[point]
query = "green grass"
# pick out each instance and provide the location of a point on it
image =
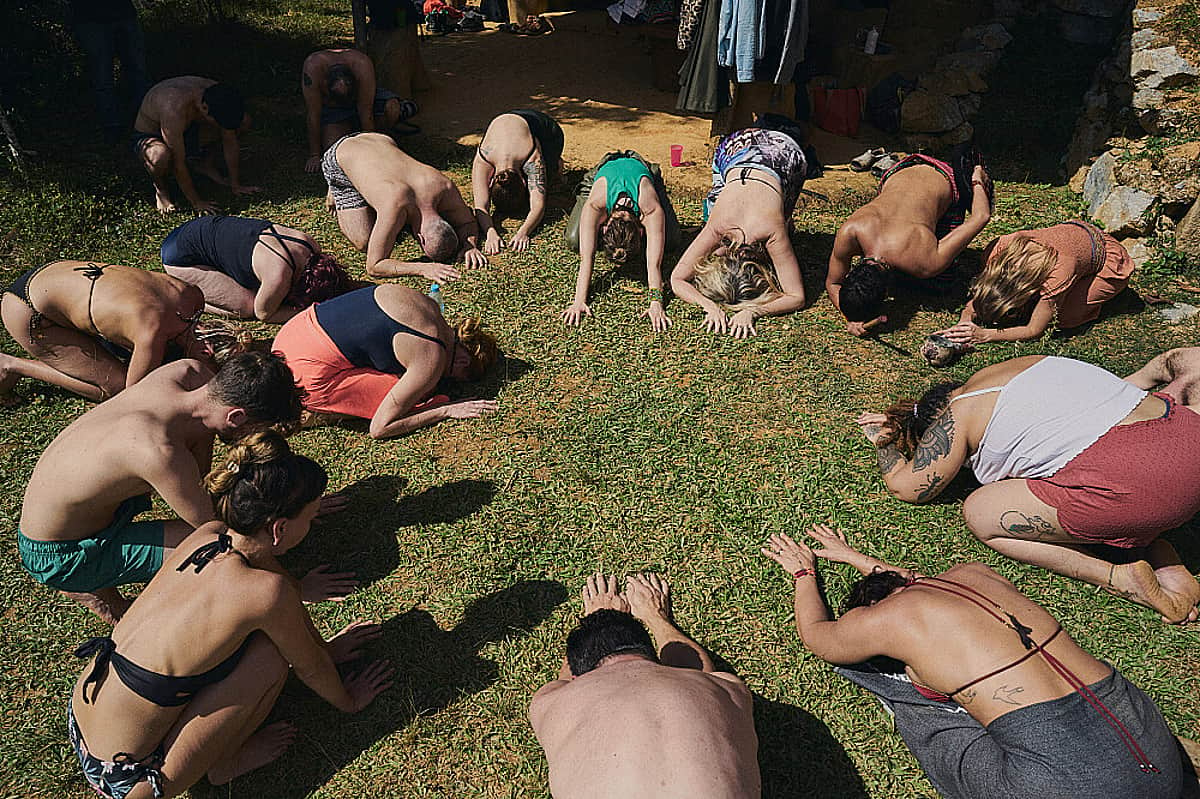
(615, 448)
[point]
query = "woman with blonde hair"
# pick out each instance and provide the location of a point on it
(190, 672)
(379, 353)
(743, 258)
(622, 204)
(1057, 276)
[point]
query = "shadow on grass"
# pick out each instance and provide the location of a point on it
(434, 669)
(798, 756)
(508, 370)
(445, 504)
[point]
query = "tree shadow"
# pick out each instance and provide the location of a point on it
(434, 669)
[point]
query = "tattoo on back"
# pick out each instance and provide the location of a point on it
(888, 456)
(967, 697)
(936, 442)
(1008, 695)
(932, 487)
(1025, 526)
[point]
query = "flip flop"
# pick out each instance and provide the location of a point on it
(865, 161)
(408, 109)
(884, 164)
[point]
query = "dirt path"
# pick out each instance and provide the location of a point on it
(596, 82)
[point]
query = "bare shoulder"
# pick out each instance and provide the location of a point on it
(545, 699)
(732, 683)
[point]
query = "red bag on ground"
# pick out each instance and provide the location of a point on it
(838, 110)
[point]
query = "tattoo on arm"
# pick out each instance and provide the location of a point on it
(936, 442)
(308, 81)
(889, 457)
(931, 489)
(1025, 526)
(535, 171)
(1008, 695)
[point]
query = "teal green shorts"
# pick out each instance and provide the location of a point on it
(124, 552)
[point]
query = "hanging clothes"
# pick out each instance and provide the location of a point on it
(704, 84)
(786, 25)
(689, 17)
(741, 39)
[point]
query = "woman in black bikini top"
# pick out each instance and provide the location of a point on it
(95, 328)
(1042, 717)
(192, 669)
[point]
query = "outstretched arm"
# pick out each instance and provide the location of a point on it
(1039, 322)
(938, 457)
(388, 224)
(650, 602)
(535, 177)
(364, 76)
(481, 198)
(845, 247)
(859, 635)
(589, 224)
(685, 271)
(454, 210)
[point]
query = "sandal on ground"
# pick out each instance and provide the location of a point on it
(884, 164)
(408, 109)
(865, 161)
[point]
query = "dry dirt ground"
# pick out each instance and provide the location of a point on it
(600, 109)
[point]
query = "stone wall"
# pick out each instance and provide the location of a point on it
(1135, 154)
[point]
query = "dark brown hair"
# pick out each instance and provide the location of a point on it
(262, 480)
(510, 195)
(909, 419)
(622, 238)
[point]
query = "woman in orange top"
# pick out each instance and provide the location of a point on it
(1059, 275)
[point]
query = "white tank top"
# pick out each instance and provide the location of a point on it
(1047, 415)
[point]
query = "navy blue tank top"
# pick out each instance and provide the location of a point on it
(363, 332)
(226, 243)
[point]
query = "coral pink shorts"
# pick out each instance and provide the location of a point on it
(1135, 483)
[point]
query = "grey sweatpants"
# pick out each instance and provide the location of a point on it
(1061, 749)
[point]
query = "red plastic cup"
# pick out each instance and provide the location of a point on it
(676, 155)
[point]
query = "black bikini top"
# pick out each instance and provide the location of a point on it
(161, 689)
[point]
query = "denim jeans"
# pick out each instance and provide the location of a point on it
(101, 42)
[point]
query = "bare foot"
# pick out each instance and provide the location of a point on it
(162, 201)
(601, 592)
(1138, 582)
(8, 379)
(261, 748)
(649, 596)
(110, 608)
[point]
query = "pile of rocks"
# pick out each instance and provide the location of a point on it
(936, 115)
(1142, 184)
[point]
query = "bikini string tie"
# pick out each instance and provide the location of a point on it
(205, 555)
(102, 647)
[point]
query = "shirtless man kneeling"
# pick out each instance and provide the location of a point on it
(378, 191)
(625, 720)
(77, 532)
(178, 116)
(915, 225)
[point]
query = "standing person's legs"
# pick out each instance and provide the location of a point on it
(97, 41)
(131, 51)
(65, 358)
(1008, 518)
(216, 734)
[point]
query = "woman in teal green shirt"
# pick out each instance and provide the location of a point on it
(623, 204)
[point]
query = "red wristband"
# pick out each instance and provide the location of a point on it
(803, 573)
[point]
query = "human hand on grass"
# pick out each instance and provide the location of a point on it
(742, 324)
(470, 409)
(659, 320)
(832, 544)
(789, 553)
(519, 242)
(574, 315)
(715, 321)
(369, 683)
(492, 243)
(439, 273)
(347, 645)
(320, 585)
(968, 333)
(312, 164)
(876, 428)
(474, 259)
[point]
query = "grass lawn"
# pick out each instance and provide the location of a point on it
(615, 448)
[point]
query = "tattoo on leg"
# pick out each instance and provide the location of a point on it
(888, 456)
(1008, 695)
(932, 487)
(1026, 526)
(936, 442)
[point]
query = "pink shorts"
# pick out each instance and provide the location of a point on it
(1135, 483)
(332, 383)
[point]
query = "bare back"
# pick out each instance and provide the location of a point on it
(388, 177)
(101, 458)
(172, 104)
(750, 210)
(948, 641)
(182, 624)
(899, 226)
(637, 728)
(122, 304)
(507, 144)
(316, 67)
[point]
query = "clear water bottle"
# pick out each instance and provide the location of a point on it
(435, 294)
(872, 40)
